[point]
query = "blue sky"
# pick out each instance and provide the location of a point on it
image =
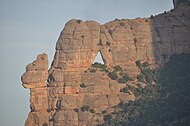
(30, 27)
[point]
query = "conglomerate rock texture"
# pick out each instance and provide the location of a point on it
(59, 95)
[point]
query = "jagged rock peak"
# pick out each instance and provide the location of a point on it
(36, 72)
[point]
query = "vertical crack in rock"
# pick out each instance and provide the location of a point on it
(134, 38)
(173, 47)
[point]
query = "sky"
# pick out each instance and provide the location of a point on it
(31, 27)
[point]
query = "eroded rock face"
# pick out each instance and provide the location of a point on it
(73, 93)
(35, 79)
(178, 2)
(36, 73)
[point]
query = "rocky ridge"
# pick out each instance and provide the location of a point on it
(73, 92)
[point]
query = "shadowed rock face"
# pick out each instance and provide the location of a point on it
(178, 2)
(57, 95)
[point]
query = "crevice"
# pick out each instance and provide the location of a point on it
(134, 38)
(111, 31)
(82, 36)
(135, 44)
(173, 43)
(158, 35)
(74, 32)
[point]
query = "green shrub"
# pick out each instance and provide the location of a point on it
(92, 110)
(118, 68)
(121, 105)
(107, 117)
(138, 91)
(84, 108)
(104, 70)
(93, 70)
(107, 43)
(138, 63)
(125, 90)
(149, 75)
(151, 17)
(140, 78)
(130, 87)
(121, 80)
(98, 65)
(145, 64)
(78, 21)
(110, 32)
(112, 75)
(104, 111)
(83, 85)
(127, 78)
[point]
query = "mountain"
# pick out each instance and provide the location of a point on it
(75, 91)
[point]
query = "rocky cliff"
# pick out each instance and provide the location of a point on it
(178, 2)
(76, 92)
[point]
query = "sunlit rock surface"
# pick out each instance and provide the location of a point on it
(59, 95)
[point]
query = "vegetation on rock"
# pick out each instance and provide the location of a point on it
(92, 110)
(108, 43)
(119, 75)
(83, 85)
(107, 117)
(124, 90)
(121, 80)
(98, 65)
(165, 103)
(113, 75)
(85, 108)
(118, 68)
(104, 111)
(93, 70)
(78, 21)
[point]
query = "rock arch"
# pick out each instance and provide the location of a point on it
(99, 58)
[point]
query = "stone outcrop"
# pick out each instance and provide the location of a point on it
(178, 2)
(75, 93)
(35, 78)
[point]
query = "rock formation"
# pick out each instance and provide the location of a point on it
(178, 2)
(73, 92)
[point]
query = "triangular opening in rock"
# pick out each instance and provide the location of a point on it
(98, 58)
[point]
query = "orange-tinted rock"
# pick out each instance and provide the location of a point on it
(36, 73)
(58, 95)
(35, 78)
